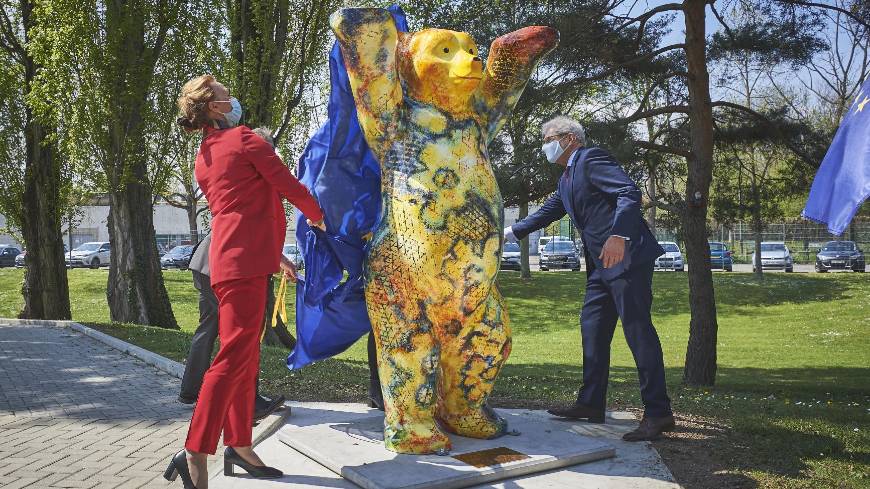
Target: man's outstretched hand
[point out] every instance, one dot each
(613, 251)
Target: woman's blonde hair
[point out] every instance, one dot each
(193, 102)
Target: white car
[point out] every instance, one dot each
(543, 240)
(774, 255)
(94, 254)
(294, 254)
(672, 259)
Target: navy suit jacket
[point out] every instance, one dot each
(602, 201)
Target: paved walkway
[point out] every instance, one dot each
(76, 413)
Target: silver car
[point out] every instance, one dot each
(94, 254)
(775, 255)
(672, 259)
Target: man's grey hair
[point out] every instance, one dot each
(265, 133)
(564, 125)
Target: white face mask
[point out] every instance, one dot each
(232, 117)
(552, 150)
(235, 114)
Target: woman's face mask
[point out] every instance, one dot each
(234, 115)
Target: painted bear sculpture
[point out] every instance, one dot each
(428, 109)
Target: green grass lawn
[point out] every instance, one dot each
(791, 407)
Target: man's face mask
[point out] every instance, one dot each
(553, 150)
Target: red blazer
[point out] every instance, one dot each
(243, 180)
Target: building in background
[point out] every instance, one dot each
(90, 224)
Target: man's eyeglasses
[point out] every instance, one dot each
(555, 137)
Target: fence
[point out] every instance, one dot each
(803, 238)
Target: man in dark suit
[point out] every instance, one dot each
(620, 251)
(202, 343)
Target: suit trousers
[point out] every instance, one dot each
(226, 399)
(202, 343)
(627, 297)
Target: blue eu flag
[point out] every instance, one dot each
(842, 183)
(345, 177)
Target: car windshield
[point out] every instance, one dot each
(839, 246)
(772, 247)
(181, 250)
(511, 247)
(88, 247)
(670, 248)
(559, 246)
(717, 247)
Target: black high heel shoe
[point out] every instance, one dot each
(232, 458)
(178, 466)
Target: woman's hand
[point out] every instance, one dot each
(289, 269)
(319, 224)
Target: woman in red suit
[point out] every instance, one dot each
(244, 182)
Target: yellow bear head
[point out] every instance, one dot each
(440, 67)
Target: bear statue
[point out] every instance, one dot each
(428, 109)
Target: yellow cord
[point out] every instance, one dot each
(280, 306)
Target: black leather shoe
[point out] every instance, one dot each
(264, 407)
(650, 429)
(178, 466)
(233, 459)
(579, 411)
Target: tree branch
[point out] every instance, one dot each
(663, 148)
(776, 129)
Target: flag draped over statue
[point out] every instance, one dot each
(842, 183)
(345, 177)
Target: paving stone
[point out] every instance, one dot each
(75, 413)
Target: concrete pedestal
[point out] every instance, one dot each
(351, 444)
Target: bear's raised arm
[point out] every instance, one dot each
(512, 58)
(368, 39)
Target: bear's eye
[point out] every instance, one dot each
(471, 51)
(446, 50)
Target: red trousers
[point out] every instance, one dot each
(226, 400)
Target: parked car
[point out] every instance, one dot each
(178, 257)
(7, 255)
(510, 256)
(672, 259)
(294, 254)
(840, 255)
(93, 254)
(720, 256)
(774, 255)
(21, 259)
(560, 254)
(543, 240)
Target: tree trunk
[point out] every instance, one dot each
(135, 291)
(525, 269)
(651, 190)
(700, 366)
(191, 221)
(45, 290)
(757, 226)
